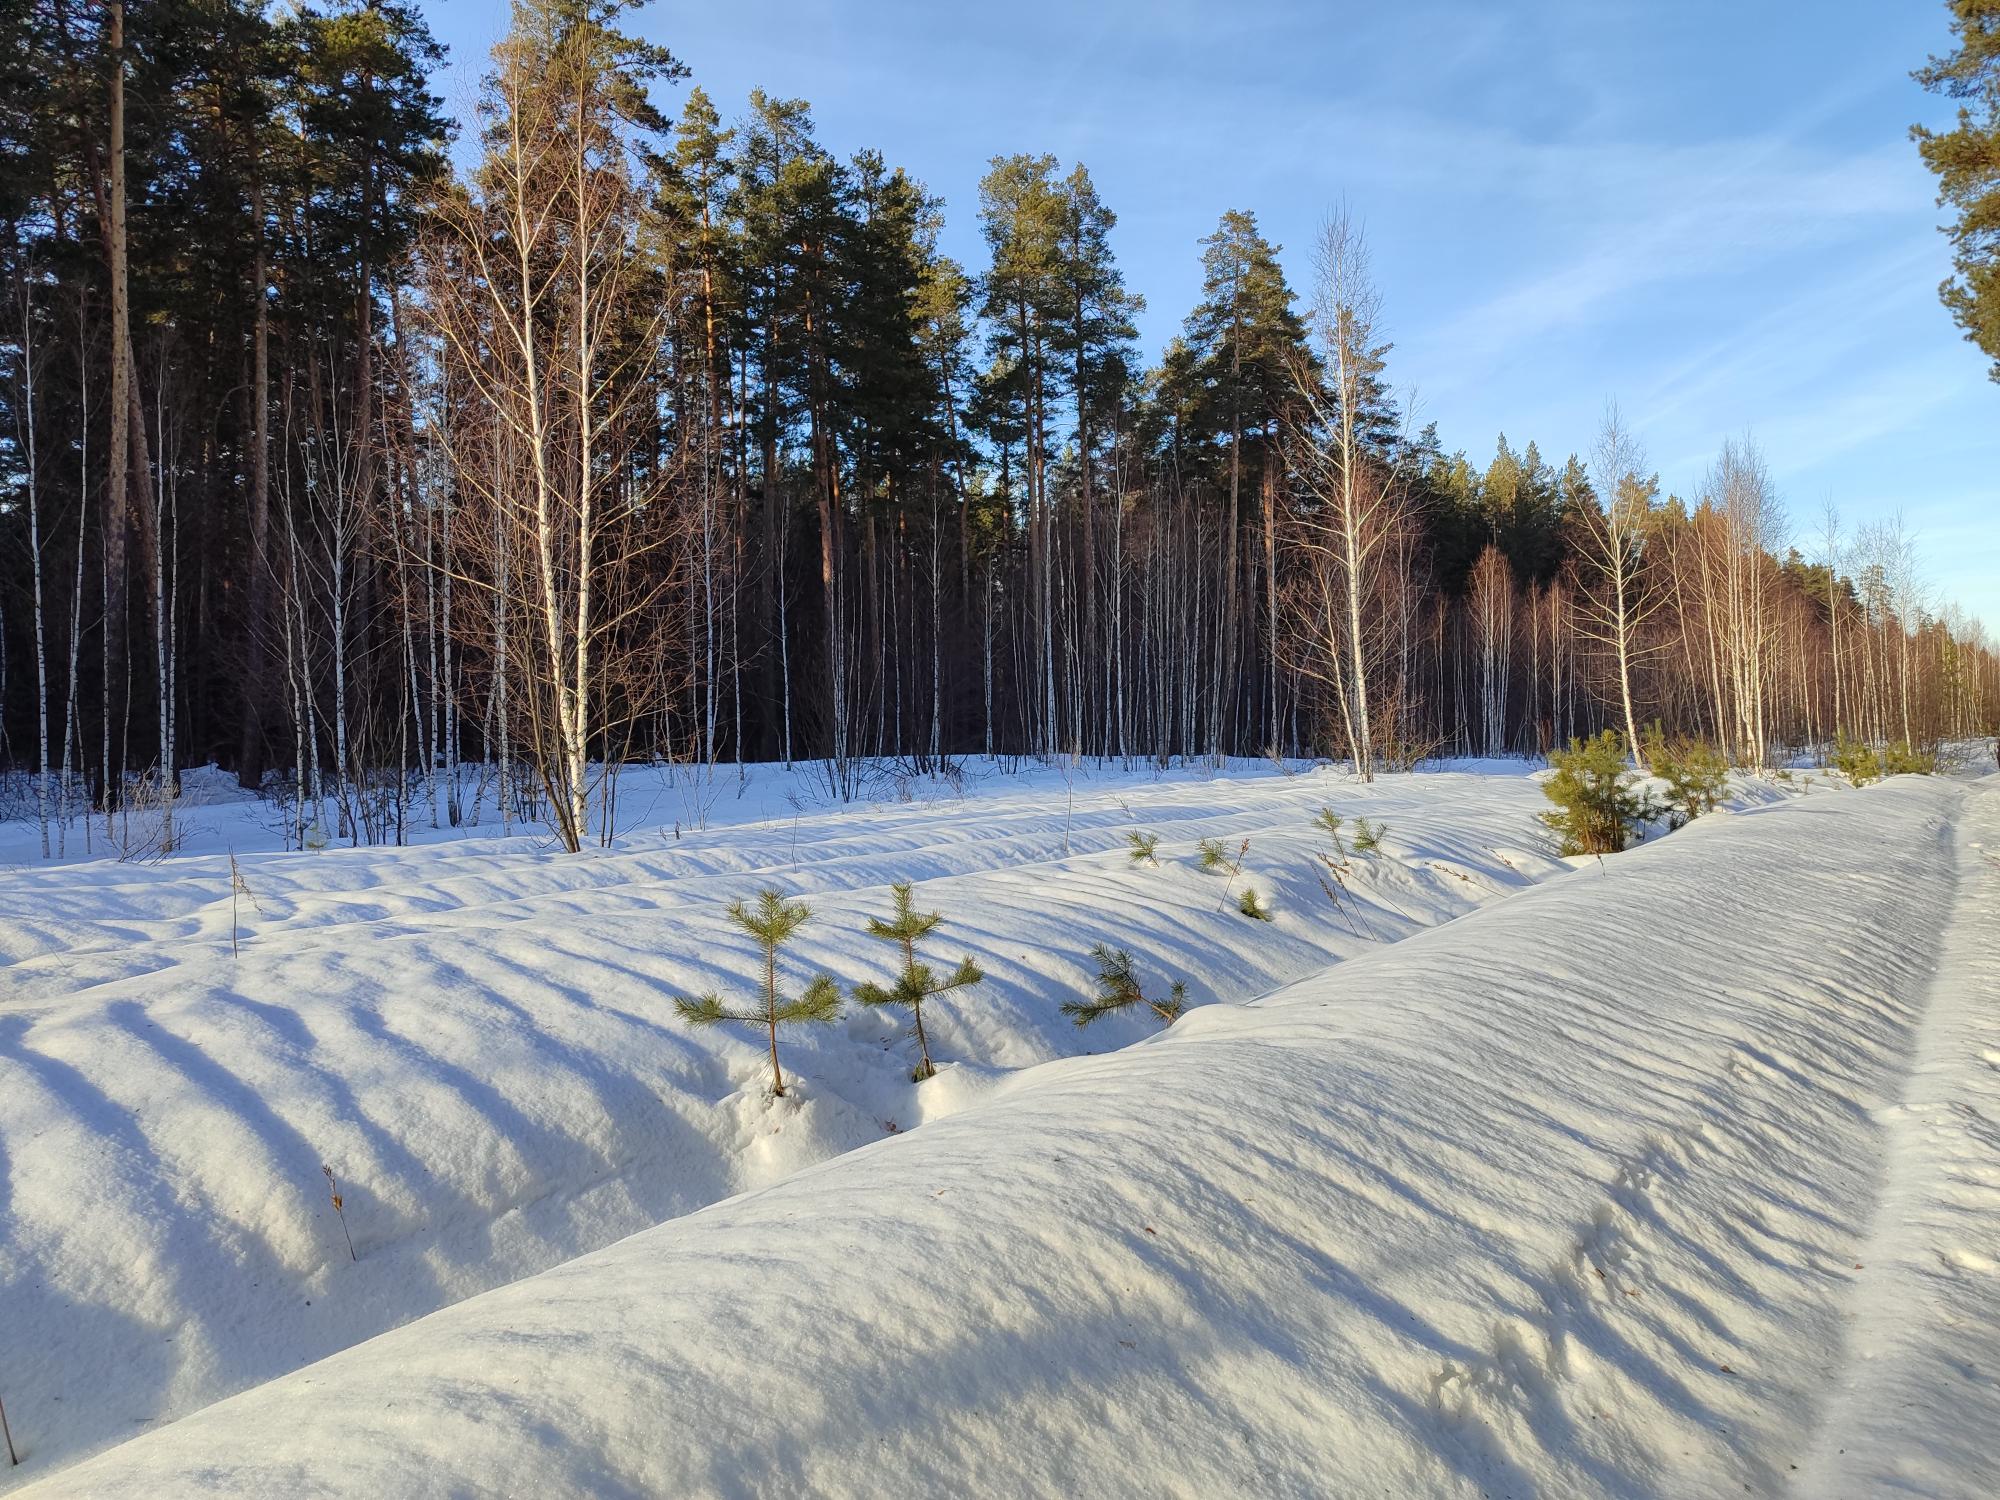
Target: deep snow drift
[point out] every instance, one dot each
(478, 1038)
(1677, 1175)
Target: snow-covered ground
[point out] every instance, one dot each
(1676, 1175)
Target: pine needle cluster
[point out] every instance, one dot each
(1118, 988)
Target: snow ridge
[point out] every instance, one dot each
(1563, 1198)
(478, 1039)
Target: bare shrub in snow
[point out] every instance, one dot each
(917, 981)
(239, 888)
(339, 1209)
(1332, 869)
(771, 923)
(1118, 989)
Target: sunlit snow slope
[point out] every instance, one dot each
(478, 1038)
(1675, 1176)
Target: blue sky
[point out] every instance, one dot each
(1710, 212)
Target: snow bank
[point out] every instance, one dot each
(478, 1038)
(1571, 1197)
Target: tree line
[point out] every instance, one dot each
(404, 490)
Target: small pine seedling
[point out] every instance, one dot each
(1214, 858)
(917, 982)
(1118, 988)
(1328, 822)
(772, 924)
(1145, 847)
(1250, 906)
(339, 1209)
(1368, 836)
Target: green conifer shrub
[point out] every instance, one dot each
(1250, 906)
(1118, 988)
(1145, 847)
(1368, 836)
(1900, 759)
(772, 923)
(1596, 810)
(1214, 858)
(916, 982)
(1856, 761)
(1695, 772)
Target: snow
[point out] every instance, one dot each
(1672, 1175)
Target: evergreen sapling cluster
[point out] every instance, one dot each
(1861, 764)
(771, 922)
(916, 982)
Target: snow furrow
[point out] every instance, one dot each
(1915, 1406)
(1564, 1198)
(500, 1085)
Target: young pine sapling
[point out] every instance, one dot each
(1695, 772)
(1232, 868)
(917, 981)
(772, 923)
(1368, 836)
(1596, 809)
(1249, 904)
(1118, 989)
(1145, 848)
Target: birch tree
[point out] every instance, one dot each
(544, 306)
(1614, 603)
(1353, 503)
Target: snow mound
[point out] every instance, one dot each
(478, 1039)
(1574, 1196)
